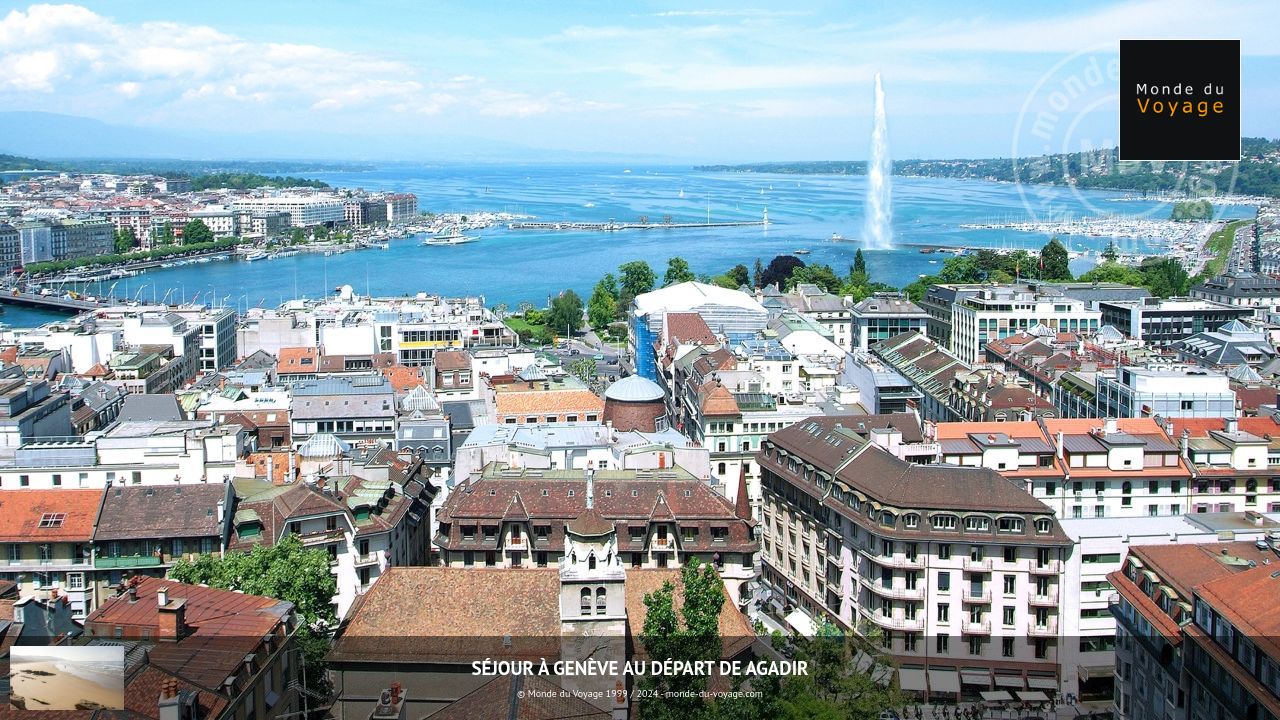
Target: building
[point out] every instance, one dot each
(531, 397)
(1195, 629)
(724, 311)
(516, 517)
(30, 410)
(222, 222)
(143, 530)
(10, 248)
(635, 403)
(352, 408)
(427, 625)
(451, 374)
(1164, 390)
(401, 207)
(1235, 463)
(203, 652)
(48, 543)
(65, 239)
(1164, 321)
(304, 210)
(880, 388)
(367, 524)
(882, 316)
(828, 310)
(1260, 293)
(958, 568)
(133, 216)
(264, 223)
(929, 367)
(997, 312)
(1229, 346)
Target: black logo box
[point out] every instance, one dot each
(1187, 66)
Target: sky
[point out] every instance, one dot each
(702, 81)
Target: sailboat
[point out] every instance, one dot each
(681, 192)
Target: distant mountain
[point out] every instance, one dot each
(54, 136)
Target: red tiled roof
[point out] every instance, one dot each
(452, 360)
(59, 514)
(685, 328)
(297, 360)
(1200, 427)
(402, 378)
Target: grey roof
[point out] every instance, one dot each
(324, 445)
(150, 408)
(342, 406)
(160, 511)
(420, 400)
(634, 388)
(99, 395)
(359, 385)
(459, 412)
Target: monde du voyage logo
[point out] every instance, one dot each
(1180, 100)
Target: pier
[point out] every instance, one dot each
(51, 302)
(612, 226)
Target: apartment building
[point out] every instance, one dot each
(517, 517)
(882, 316)
(10, 248)
(813, 303)
(957, 568)
(996, 312)
(352, 408)
(1163, 321)
(1235, 463)
(930, 368)
(1255, 291)
(304, 210)
(401, 207)
(48, 543)
(30, 410)
(1195, 629)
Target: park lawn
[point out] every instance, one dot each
(1220, 245)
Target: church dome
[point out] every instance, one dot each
(634, 389)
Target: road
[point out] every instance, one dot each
(608, 366)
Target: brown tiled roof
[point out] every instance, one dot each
(451, 614)
(1183, 566)
(1200, 427)
(402, 378)
(520, 697)
(143, 690)
(1248, 600)
(736, 633)
(549, 402)
(589, 523)
(452, 360)
(162, 511)
(23, 512)
(688, 328)
(717, 400)
(297, 360)
(98, 371)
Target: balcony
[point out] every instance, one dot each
(368, 559)
(663, 544)
(1043, 600)
(1052, 567)
(982, 627)
(972, 565)
(323, 537)
(893, 561)
(128, 561)
(50, 564)
(896, 593)
(897, 623)
(517, 543)
(1048, 628)
(976, 596)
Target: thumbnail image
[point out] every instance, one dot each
(66, 678)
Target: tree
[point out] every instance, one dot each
(757, 274)
(286, 571)
(584, 368)
(677, 272)
(779, 271)
(847, 677)
(821, 275)
(196, 232)
(297, 236)
(501, 310)
(565, 313)
(125, 241)
(1113, 272)
(1165, 277)
(523, 308)
(739, 275)
(666, 638)
(1110, 254)
(602, 308)
(637, 279)
(321, 232)
(859, 262)
(166, 235)
(1054, 261)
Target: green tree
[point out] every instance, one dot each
(859, 262)
(196, 232)
(739, 275)
(297, 236)
(665, 638)
(501, 310)
(779, 271)
(637, 278)
(821, 275)
(166, 235)
(584, 368)
(1165, 277)
(125, 241)
(321, 232)
(1111, 254)
(847, 677)
(757, 274)
(602, 308)
(565, 313)
(677, 272)
(1054, 261)
(286, 571)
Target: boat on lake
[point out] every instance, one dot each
(453, 237)
(255, 255)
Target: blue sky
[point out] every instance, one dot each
(689, 80)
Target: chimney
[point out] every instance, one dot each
(1185, 443)
(222, 510)
(391, 704)
(1110, 426)
(171, 705)
(162, 595)
(1232, 424)
(591, 485)
(172, 619)
(133, 595)
(1059, 445)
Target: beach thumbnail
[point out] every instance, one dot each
(66, 678)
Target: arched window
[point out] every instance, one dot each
(1126, 488)
(586, 601)
(591, 561)
(600, 601)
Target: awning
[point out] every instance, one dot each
(911, 679)
(996, 696)
(801, 623)
(944, 681)
(1033, 696)
(1095, 671)
(1009, 681)
(1044, 683)
(976, 677)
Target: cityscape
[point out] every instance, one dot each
(327, 391)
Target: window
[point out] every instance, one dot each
(1043, 526)
(57, 480)
(1010, 554)
(585, 602)
(1006, 646)
(24, 481)
(601, 603)
(52, 520)
(941, 646)
(1008, 617)
(944, 581)
(1011, 525)
(944, 551)
(944, 613)
(1010, 584)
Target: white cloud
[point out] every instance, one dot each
(129, 89)
(29, 71)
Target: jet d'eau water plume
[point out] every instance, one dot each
(877, 233)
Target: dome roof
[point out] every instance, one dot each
(323, 445)
(634, 389)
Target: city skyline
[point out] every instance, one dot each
(705, 82)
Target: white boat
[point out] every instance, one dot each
(589, 205)
(452, 238)
(802, 252)
(836, 237)
(255, 255)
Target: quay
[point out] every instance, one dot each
(612, 226)
(52, 302)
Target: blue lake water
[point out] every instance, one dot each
(514, 265)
